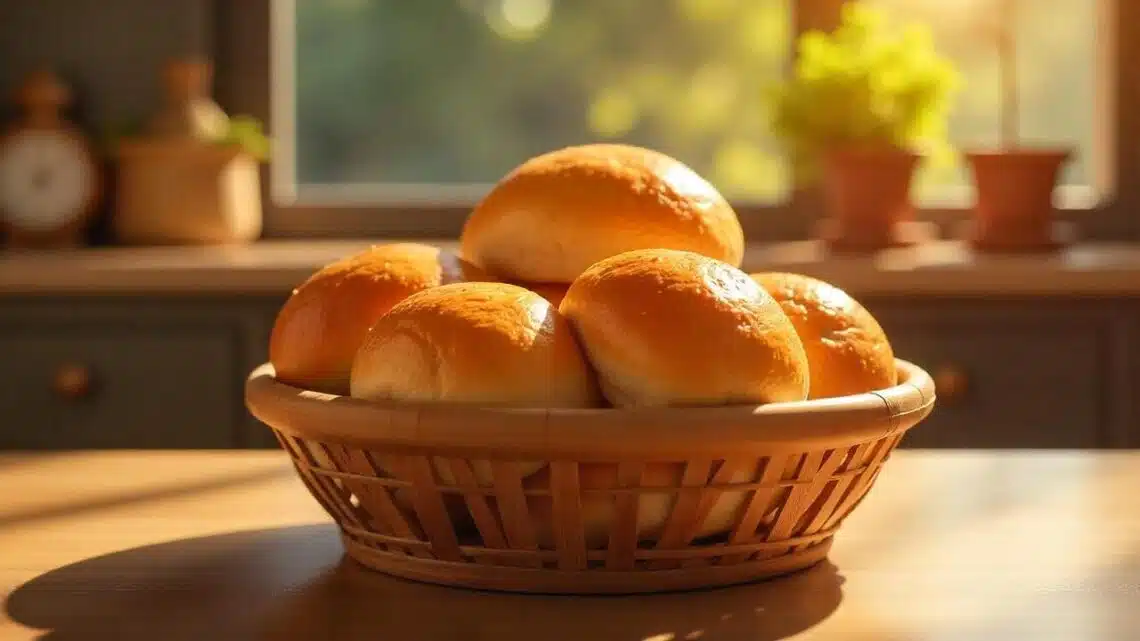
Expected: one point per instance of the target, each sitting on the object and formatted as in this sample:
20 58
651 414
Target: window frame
243 84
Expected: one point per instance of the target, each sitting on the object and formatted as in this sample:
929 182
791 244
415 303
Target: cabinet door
92 386
257 435
1024 379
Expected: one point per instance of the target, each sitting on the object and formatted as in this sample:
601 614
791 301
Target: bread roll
321 325
488 344
474 343
847 351
559 213
665 327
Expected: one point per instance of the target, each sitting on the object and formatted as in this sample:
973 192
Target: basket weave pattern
795 502
466 515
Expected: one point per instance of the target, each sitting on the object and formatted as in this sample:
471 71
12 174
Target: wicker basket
443 494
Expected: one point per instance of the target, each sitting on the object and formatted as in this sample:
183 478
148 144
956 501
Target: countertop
961 546
275 267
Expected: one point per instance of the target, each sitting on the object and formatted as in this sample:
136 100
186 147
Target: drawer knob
950 383
73 381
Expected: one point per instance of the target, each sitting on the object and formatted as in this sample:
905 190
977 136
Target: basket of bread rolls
587 395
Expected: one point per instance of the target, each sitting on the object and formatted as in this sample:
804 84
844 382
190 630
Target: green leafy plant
865 84
244 131
247 132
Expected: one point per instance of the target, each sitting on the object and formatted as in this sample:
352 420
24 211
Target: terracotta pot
1014 207
867 195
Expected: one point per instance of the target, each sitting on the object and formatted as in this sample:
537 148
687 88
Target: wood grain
228 545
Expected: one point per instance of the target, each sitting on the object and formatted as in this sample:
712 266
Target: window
418 106
1058 48
421 100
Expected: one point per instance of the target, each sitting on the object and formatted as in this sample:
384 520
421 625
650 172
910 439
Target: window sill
274 267
339 216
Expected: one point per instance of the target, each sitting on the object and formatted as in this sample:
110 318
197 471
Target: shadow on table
294 584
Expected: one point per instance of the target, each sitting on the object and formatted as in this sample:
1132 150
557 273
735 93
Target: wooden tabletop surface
215 546
275 267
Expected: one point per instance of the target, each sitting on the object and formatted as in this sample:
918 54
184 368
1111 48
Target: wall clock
49 176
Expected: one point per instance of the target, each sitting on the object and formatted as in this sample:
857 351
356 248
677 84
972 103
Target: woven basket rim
602 432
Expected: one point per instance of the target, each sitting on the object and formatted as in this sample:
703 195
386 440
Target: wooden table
213 546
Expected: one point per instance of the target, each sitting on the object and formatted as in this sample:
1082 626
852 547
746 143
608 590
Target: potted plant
1014 183
863 105
191 175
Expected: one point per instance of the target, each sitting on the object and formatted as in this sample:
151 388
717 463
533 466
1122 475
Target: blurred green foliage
248 133
863 85
460 91
1059 47
243 130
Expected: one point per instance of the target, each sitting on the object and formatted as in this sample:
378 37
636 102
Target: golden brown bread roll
475 343
847 351
666 327
489 344
321 325
560 212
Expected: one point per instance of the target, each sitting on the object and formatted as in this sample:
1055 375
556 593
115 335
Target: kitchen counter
943 268
1031 351
228 545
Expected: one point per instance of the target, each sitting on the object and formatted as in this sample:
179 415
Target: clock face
46 180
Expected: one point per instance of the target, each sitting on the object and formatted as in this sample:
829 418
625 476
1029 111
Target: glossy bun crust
847 351
321 325
490 344
560 212
665 327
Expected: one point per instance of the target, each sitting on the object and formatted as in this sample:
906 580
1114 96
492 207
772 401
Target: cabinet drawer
1030 384
119 386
